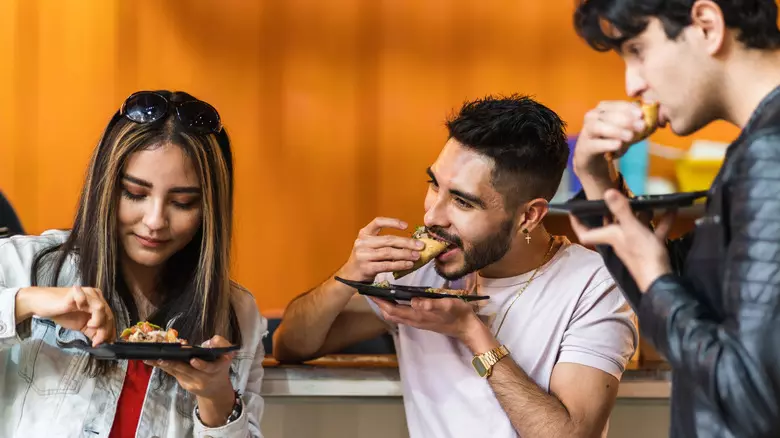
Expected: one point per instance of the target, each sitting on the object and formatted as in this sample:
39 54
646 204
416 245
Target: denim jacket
45 392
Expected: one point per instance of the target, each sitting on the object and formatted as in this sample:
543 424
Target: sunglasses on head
195 115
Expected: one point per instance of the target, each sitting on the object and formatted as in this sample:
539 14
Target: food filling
148 332
442 291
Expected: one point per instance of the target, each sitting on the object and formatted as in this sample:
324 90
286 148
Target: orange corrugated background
335 107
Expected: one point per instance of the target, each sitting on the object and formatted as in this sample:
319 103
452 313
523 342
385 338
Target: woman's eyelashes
180 204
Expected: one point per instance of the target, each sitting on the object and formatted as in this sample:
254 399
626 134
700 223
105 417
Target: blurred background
335 108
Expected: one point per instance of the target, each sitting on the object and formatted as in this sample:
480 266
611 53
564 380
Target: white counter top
308 381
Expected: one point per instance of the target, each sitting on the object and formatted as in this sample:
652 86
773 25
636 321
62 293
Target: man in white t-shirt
544 355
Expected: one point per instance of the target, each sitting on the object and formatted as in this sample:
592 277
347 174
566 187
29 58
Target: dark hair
195 280
754 20
525 139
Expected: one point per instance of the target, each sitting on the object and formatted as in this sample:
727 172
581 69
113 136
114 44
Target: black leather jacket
717 319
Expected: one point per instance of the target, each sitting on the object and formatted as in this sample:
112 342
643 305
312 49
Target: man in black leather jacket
710 301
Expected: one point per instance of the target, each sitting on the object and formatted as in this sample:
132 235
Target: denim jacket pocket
48 369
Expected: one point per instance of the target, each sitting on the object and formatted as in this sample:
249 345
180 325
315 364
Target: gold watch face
479 367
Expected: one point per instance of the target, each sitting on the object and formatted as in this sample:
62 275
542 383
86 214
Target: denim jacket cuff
237 428
8 329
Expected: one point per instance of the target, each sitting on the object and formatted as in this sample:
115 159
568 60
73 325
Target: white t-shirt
571 312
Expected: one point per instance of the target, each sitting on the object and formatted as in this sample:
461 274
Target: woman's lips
148 242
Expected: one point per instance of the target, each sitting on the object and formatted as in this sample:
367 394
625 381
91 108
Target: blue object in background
633 165
574 182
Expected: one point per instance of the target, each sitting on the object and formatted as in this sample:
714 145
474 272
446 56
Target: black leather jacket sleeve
735 365
677 249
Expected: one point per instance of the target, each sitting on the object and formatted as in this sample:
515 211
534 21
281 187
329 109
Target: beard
480 254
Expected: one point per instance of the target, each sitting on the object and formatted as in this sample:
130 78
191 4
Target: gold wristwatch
483 363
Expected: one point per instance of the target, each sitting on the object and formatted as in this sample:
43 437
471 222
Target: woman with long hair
150 242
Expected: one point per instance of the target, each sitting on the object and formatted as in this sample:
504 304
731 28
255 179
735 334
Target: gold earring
527 236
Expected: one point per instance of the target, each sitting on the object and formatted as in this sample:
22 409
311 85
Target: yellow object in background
695 174
698 168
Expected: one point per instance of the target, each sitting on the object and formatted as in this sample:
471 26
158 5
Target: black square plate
584 208
149 351
397 292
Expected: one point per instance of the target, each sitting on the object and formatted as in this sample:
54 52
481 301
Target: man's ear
531 214
708 26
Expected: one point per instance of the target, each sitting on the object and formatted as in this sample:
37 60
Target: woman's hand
75 308
209 382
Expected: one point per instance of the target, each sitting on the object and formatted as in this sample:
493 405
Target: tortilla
650 111
433 247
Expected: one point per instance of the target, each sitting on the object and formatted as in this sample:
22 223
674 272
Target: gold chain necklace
528 283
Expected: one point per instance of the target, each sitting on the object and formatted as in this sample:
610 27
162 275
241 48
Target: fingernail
627 135
403 224
416 254
409 264
639 125
419 244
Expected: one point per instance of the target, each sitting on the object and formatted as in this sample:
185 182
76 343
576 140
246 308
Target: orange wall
335 107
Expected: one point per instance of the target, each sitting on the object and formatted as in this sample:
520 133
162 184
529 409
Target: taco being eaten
650 112
433 247
148 332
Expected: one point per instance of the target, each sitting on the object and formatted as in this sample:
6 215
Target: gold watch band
483 363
